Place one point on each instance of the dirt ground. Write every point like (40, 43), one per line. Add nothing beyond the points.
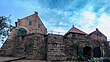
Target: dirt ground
(6, 59)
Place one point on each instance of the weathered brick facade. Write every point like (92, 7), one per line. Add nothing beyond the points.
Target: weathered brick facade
(32, 24)
(97, 35)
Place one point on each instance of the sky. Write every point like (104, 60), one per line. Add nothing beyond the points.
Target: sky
(61, 15)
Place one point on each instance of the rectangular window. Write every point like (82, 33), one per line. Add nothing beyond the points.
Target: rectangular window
(38, 25)
(30, 23)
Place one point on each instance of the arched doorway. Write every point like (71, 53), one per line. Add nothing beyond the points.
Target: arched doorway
(97, 52)
(87, 52)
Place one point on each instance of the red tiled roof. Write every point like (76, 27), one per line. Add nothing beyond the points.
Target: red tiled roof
(76, 30)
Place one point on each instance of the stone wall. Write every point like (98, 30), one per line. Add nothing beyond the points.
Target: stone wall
(49, 47)
(55, 47)
(74, 47)
(70, 48)
(106, 49)
(31, 46)
(7, 48)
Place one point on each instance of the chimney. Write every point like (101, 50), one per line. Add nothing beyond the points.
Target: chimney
(16, 24)
(18, 19)
(97, 29)
(36, 12)
(73, 25)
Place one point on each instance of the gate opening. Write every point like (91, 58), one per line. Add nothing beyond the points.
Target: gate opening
(97, 52)
(87, 52)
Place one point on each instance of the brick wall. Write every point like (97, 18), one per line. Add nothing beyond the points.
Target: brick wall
(32, 24)
(95, 37)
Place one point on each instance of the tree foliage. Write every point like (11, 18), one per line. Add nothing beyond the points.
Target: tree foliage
(5, 27)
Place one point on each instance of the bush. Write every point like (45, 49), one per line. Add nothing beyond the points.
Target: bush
(81, 58)
(106, 60)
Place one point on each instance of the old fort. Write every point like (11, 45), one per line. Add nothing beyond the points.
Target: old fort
(30, 39)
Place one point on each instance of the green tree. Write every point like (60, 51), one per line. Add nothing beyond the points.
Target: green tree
(5, 28)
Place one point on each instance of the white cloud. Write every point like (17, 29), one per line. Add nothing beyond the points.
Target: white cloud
(104, 24)
(90, 16)
(85, 19)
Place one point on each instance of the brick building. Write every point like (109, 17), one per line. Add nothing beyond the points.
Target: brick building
(97, 35)
(31, 24)
(75, 33)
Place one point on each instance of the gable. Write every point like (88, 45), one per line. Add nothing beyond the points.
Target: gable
(32, 23)
(97, 35)
(76, 30)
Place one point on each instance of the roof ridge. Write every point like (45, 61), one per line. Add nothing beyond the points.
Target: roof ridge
(76, 30)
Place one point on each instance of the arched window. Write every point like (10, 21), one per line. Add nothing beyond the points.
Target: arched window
(21, 32)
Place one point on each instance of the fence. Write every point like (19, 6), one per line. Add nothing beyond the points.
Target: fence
(56, 32)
